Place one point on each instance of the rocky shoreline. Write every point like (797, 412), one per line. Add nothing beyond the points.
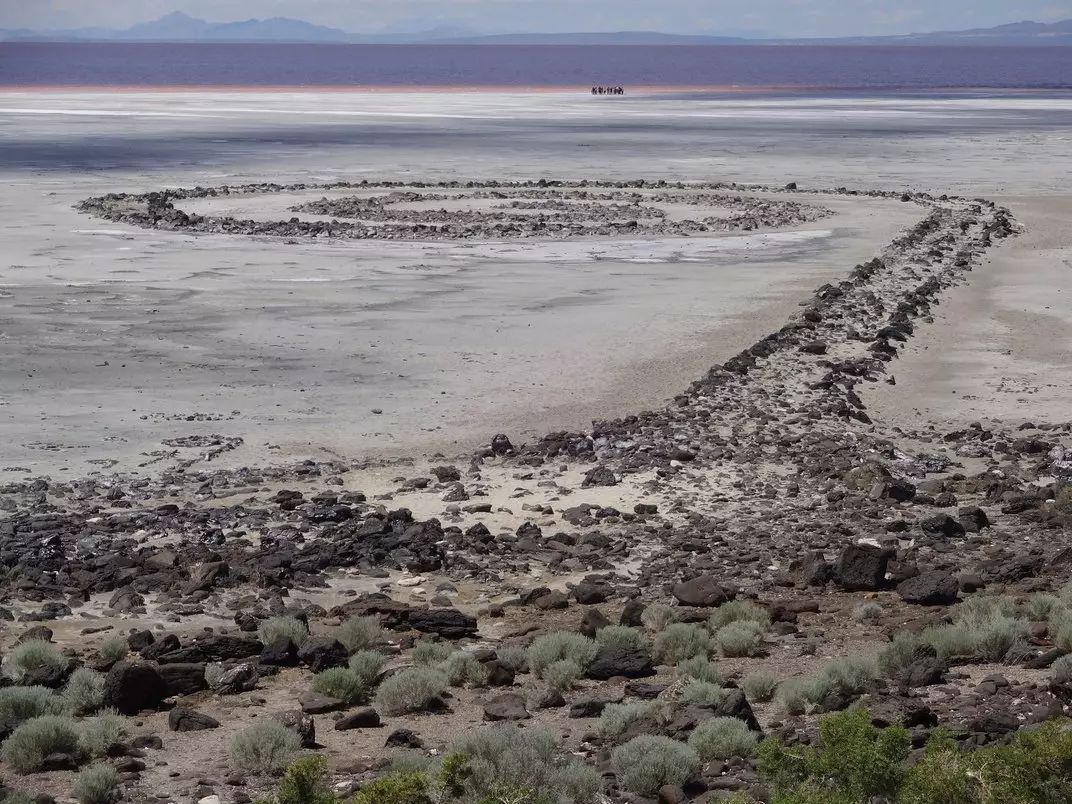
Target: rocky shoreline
(765, 481)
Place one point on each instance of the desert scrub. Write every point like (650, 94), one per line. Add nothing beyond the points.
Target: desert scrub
(852, 762)
(84, 691)
(513, 658)
(276, 627)
(904, 649)
(97, 784)
(550, 648)
(617, 719)
(97, 734)
(19, 704)
(265, 748)
(722, 738)
(868, 613)
(848, 677)
(25, 750)
(620, 636)
(397, 788)
(306, 781)
(743, 638)
(113, 650)
(702, 692)
(463, 670)
(739, 611)
(367, 666)
(681, 641)
(527, 760)
(360, 633)
(411, 690)
(34, 654)
(1042, 608)
(646, 763)
(341, 683)
(429, 654)
(1061, 670)
(658, 616)
(760, 686)
(699, 668)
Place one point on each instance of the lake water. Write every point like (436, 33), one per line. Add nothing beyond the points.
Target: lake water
(459, 66)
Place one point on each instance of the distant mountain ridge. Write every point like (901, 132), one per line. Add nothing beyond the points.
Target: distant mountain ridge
(179, 27)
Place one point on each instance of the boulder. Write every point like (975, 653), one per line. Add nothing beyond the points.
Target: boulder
(183, 679)
(313, 703)
(301, 724)
(508, 706)
(973, 519)
(366, 718)
(234, 680)
(614, 661)
(222, 648)
(183, 719)
(403, 738)
(448, 623)
(132, 688)
(599, 476)
(942, 525)
(861, 568)
(321, 653)
(282, 652)
(702, 592)
(929, 589)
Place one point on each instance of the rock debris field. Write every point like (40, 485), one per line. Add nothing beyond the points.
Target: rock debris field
(760, 550)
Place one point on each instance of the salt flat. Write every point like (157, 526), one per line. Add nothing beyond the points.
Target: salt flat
(113, 336)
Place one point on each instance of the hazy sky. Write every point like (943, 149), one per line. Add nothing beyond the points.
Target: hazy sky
(778, 17)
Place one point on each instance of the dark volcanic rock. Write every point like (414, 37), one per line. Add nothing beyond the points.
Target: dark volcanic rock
(183, 719)
(182, 679)
(508, 706)
(703, 592)
(301, 724)
(614, 661)
(448, 623)
(942, 525)
(321, 653)
(861, 568)
(131, 688)
(366, 718)
(929, 589)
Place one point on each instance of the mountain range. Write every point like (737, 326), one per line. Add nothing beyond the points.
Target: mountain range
(179, 27)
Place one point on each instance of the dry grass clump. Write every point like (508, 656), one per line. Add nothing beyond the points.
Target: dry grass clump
(411, 690)
(265, 748)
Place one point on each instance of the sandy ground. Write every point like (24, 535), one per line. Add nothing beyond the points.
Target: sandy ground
(114, 337)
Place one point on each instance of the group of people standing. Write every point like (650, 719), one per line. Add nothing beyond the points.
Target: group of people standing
(608, 91)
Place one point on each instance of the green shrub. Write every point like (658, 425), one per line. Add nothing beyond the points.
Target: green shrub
(360, 633)
(526, 760)
(398, 788)
(743, 638)
(722, 738)
(113, 650)
(463, 669)
(265, 748)
(25, 750)
(341, 683)
(620, 636)
(739, 611)
(658, 616)
(895, 659)
(797, 695)
(996, 640)
(949, 641)
(429, 654)
(702, 692)
(84, 692)
(1042, 608)
(868, 613)
(275, 627)
(1061, 671)
(681, 641)
(17, 797)
(852, 675)
(34, 654)
(550, 648)
(97, 784)
(411, 690)
(760, 686)
(646, 763)
(19, 704)
(562, 675)
(306, 781)
(617, 719)
(367, 666)
(97, 734)
(513, 658)
(700, 668)
(852, 762)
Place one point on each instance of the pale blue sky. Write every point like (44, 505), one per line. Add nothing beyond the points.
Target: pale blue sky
(779, 17)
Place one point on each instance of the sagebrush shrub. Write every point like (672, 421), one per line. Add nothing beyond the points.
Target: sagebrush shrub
(737, 611)
(275, 627)
(562, 675)
(28, 746)
(411, 690)
(306, 781)
(700, 668)
(868, 613)
(428, 654)
(463, 669)
(617, 719)
(681, 641)
(97, 784)
(341, 683)
(397, 788)
(360, 633)
(742, 638)
(19, 704)
(703, 692)
(84, 692)
(658, 616)
(550, 648)
(113, 650)
(760, 686)
(513, 657)
(31, 655)
(722, 738)
(265, 748)
(97, 734)
(1042, 607)
(367, 666)
(620, 636)
(647, 763)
